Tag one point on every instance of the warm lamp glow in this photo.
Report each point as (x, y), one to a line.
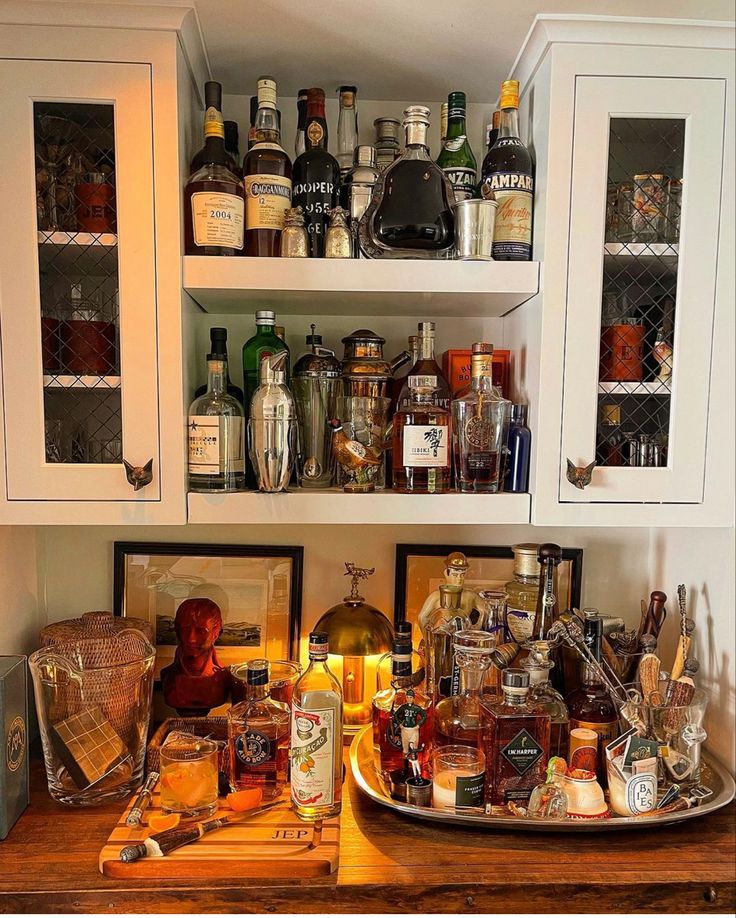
(357, 676)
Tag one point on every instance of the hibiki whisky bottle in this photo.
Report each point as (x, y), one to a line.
(258, 737)
(421, 436)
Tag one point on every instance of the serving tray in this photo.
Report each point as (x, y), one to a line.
(714, 776)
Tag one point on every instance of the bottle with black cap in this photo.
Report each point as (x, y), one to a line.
(232, 147)
(384, 673)
(258, 731)
(213, 102)
(515, 737)
(316, 737)
(218, 348)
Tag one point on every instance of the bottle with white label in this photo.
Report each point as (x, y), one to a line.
(456, 158)
(316, 737)
(214, 203)
(421, 441)
(216, 435)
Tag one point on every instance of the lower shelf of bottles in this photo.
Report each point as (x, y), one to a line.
(381, 508)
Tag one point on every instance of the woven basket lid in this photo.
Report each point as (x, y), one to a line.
(91, 625)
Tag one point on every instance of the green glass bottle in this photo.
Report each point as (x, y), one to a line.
(456, 158)
(264, 343)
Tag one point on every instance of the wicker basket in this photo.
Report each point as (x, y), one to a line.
(93, 625)
(211, 727)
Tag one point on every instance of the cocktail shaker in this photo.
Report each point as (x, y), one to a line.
(272, 428)
(316, 385)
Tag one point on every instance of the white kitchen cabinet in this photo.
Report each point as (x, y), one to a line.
(90, 296)
(632, 127)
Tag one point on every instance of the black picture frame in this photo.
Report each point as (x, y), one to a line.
(404, 551)
(295, 553)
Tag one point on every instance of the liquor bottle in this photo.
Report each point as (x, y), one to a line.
(522, 593)
(491, 138)
(213, 100)
(457, 718)
(478, 422)
(544, 695)
(316, 737)
(218, 348)
(443, 673)
(300, 143)
(264, 343)
(590, 705)
(316, 175)
(548, 609)
(258, 732)
(356, 188)
(267, 177)
(410, 215)
(402, 715)
(444, 108)
(387, 141)
(384, 668)
(507, 177)
(425, 366)
(515, 738)
(216, 444)
(252, 121)
(456, 158)
(213, 197)
(231, 145)
(455, 571)
(347, 128)
(518, 452)
(420, 442)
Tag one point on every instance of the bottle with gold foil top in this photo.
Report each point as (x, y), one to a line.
(522, 593)
(294, 238)
(267, 177)
(508, 178)
(338, 240)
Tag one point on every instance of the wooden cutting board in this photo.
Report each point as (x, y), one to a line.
(274, 844)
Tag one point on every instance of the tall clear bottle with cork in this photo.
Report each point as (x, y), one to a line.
(522, 593)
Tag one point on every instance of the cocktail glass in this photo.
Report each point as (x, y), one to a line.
(189, 775)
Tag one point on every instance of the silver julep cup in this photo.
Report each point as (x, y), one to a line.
(474, 222)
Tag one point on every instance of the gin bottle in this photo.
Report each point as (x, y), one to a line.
(216, 441)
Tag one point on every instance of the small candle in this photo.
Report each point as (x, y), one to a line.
(444, 789)
(459, 776)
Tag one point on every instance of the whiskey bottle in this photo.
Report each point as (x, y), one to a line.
(426, 367)
(216, 435)
(507, 177)
(213, 196)
(213, 101)
(421, 436)
(258, 737)
(457, 718)
(252, 121)
(218, 348)
(402, 716)
(316, 737)
(479, 419)
(267, 176)
(316, 175)
(515, 739)
(456, 158)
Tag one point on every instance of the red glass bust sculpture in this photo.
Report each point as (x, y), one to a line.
(195, 682)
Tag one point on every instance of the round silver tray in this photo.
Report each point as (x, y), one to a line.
(361, 761)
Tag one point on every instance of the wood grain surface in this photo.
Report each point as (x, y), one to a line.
(388, 863)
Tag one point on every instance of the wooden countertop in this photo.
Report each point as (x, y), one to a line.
(388, 863)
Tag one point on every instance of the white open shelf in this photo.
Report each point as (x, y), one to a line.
(383, 507)
(359, 286)
(81, 382)
(643, 389)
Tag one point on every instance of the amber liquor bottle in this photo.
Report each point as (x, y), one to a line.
(213, 100)
(507, 177)
(421, 442)
(258, 737)
(515, 737)
(267, 178)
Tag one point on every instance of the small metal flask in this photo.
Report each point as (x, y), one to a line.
(294, 238)
(272, 427)
(338, 240)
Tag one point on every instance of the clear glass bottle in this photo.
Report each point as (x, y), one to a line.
(515, 739)
(457, 718)
(425, 367)
(402, 716)
(522, 593)
(216, 435)
(316, 737)
(347, 128)
(258, 731)
(443, 673)
(472, 606)
(456, 158)
(410, 215)
(421, 459)
(478, 421)
(544, 695)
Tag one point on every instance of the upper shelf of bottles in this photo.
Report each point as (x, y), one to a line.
(304, 286)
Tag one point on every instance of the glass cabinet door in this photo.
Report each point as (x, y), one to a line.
(647, 157)
(77, 282)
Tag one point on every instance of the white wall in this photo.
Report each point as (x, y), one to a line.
(21, 615)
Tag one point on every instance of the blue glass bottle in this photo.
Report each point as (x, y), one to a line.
(520, 447)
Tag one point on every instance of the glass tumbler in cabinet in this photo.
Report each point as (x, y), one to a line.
(79, 285)
(636, 395)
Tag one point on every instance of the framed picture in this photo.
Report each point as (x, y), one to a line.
(420, 569)
(257, 587)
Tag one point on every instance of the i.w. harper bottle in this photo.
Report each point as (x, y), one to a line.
(410, 215)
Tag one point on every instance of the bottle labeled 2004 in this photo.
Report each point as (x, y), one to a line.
(316, 737)
(508, 179)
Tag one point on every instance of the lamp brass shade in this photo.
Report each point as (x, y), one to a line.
(356, 629)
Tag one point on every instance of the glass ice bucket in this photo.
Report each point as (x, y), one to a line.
(93, 700)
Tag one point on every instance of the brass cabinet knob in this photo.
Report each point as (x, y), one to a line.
(139, 475)
(579, 475)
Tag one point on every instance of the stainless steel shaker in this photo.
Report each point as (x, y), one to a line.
(272, 427)
(316, 385)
